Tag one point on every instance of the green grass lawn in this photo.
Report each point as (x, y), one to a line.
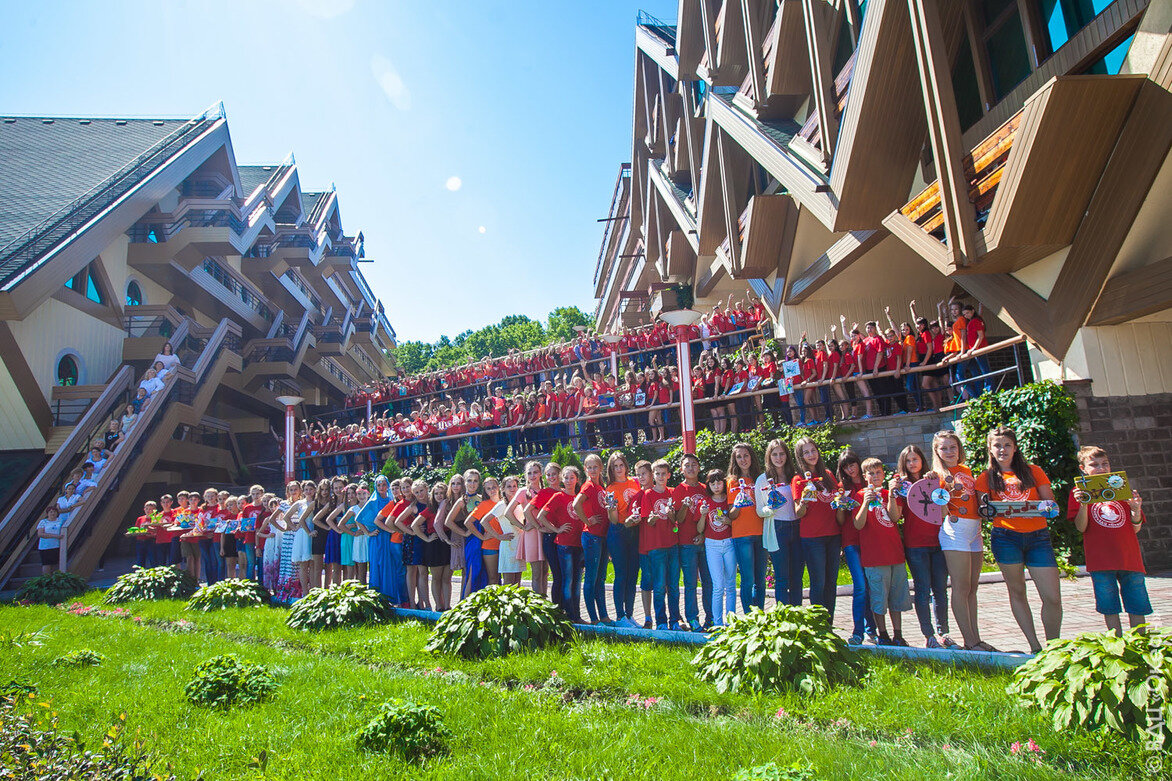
(509, 722)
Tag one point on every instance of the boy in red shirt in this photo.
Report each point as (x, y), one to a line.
(1113, 555)
(881, 550)
(688, 497)
(658, 538)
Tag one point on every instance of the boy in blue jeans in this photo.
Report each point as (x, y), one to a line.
(1112, 548)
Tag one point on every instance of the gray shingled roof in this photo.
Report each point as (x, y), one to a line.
(309, 204)
(253, 176)
(46, 163)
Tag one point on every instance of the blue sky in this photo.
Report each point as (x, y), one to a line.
(527, 103)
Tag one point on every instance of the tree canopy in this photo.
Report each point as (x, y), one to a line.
(492, 341)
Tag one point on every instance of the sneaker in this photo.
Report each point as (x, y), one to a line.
(628, 623)
(884, 640)
(932, 642)
(872, 638)
(647, 624)
(899, 641)
(855, 640)
(948, 642)
(694, 626)
(674, 626)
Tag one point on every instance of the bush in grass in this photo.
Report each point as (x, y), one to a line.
(413, 732)
(229, 593)
(783, 648)
(153, 584)
(497, 621)
(563, 455)
(52, 588)
(15, 689)
(1098, 680)
(83, 657)
(225, 681)
(772, 772)
(33, 746)
(348, 604)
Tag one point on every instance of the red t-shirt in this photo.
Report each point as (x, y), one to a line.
(162, 535)
(559, 513)
(975, 333)
(850, 535)
(1109, 540)
(879, 542)
(255, 513)
(820, 519)
(917, 533)
(874, 349)
(716, 524)
(592, 508)
(543, 496)
(653, 536)
(690, 496)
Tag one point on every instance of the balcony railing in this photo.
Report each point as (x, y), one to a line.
(250, 298)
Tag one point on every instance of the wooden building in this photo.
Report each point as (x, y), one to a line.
(836, 157)
(119, 235)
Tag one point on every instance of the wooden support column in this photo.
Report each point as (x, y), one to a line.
(818, 45)
(960, 223)
(751, 11)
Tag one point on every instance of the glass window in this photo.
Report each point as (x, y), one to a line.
(133, 294)
(1008, 57)
(1110, 63)
(992, 9)
(85, 283)
(964, 85)
(67, 371)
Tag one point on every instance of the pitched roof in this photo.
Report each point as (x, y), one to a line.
(48, 163)
(253, 176)
(309, 204)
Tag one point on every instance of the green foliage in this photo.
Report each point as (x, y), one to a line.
(33, 746)
(427, 473)
(155, 583)
(413, 732)
(1099, 680)
(233, 592)
(10, 639)
(1045, 418)
(714, 450)
(497, 621)
(769, 651)
(466, 458)
(504, 467)
(640, 451)
(16, 689)
(348, 604)
(514, 332)
(772, 772)
(564, 455)
(391, 469)
(83, 657)
(225, 681)
(52, 588)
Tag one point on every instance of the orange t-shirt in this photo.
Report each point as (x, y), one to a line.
(623, 493)
(390, 510)
(959, 329)
(963, 503)
(1015, 493)
(483, 509)
(909, 348)
(748, 523)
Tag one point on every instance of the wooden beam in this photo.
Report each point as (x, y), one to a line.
(710, 200)
(708, 275)
(1144, 291)
(819, 48)
(732, 185)
(25, 380)
(751, 11)
(835, 260)
(943, 128)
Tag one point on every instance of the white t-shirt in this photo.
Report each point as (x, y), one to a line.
(151, 384)
(99, 465)
(169, 361)
(65, 505)
(52, 527)
(83, 485)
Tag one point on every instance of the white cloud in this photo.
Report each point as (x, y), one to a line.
(325, 9)
(391, 82)
(454, 183)
(482, 229)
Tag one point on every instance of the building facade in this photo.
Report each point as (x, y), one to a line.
(839, 157)
(118, 236)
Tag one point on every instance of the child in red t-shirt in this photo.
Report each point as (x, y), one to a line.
(1113, 555)
(882, 553)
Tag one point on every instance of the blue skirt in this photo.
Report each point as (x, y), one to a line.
(474, 572)
(333, 547)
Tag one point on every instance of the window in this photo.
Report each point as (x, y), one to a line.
(133, 294)
(67, 372)
(1062, 19)
(964, 85)
(1009, 60)
(85, 283)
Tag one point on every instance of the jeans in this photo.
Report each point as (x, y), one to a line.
(557, 583)
(911, 383)
(571, 568)
(751, 563)
(695, 566)
(398, 573)
(665, 562)
(975, 368)
(787, 564)
(623, 545)
(209, 556)
(175, 555)
(798, 397)
(821, 556)
(824, 395)
(144, 552)
(249, 549)
(864, 621)
(722, 564)
(594, 555)
(930, 581)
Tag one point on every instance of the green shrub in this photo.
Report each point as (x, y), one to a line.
(633, 453)
(391, 469)
(768, 651)
(771, 772)
(83, 657)
(229, 593)
(564, 455)
(34, 746)
(413, 732)
(153, 584)
(348, 604)
(714, 449)
(497, 621)
(15, 689)
(426, 472)
(52, 588)
(1045, 417)
(225, 681)
(1098, 680)
(466, 458)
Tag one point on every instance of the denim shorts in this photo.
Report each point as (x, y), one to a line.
(889, 588)
(1032, 549)
(1109, 584)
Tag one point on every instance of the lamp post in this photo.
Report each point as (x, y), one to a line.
(612, 340)
(290, 430)
(679, 320)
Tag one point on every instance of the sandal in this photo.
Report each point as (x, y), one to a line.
(983, 646)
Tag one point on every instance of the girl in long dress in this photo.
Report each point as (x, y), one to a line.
(461, 512)
(508, 528)
(378, 547)
(528, 546)
(300, 518)
(453, 535)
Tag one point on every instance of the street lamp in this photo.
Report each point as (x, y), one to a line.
(612, 340)
(679, 320)
(290, 429)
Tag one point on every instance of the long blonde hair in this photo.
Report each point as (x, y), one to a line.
(937, 465)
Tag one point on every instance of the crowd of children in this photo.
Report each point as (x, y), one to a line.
(803, 515)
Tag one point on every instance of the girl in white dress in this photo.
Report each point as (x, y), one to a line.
(300, 518)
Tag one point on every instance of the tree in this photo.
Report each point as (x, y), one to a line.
(561, 322)
(467, 458)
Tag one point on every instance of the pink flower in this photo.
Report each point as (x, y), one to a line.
(873, 744)
(781, 713)
(1034, 747)
(1015, 748)
(946, 747)
(553, 673)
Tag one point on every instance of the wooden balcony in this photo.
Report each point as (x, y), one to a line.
(765, 235)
